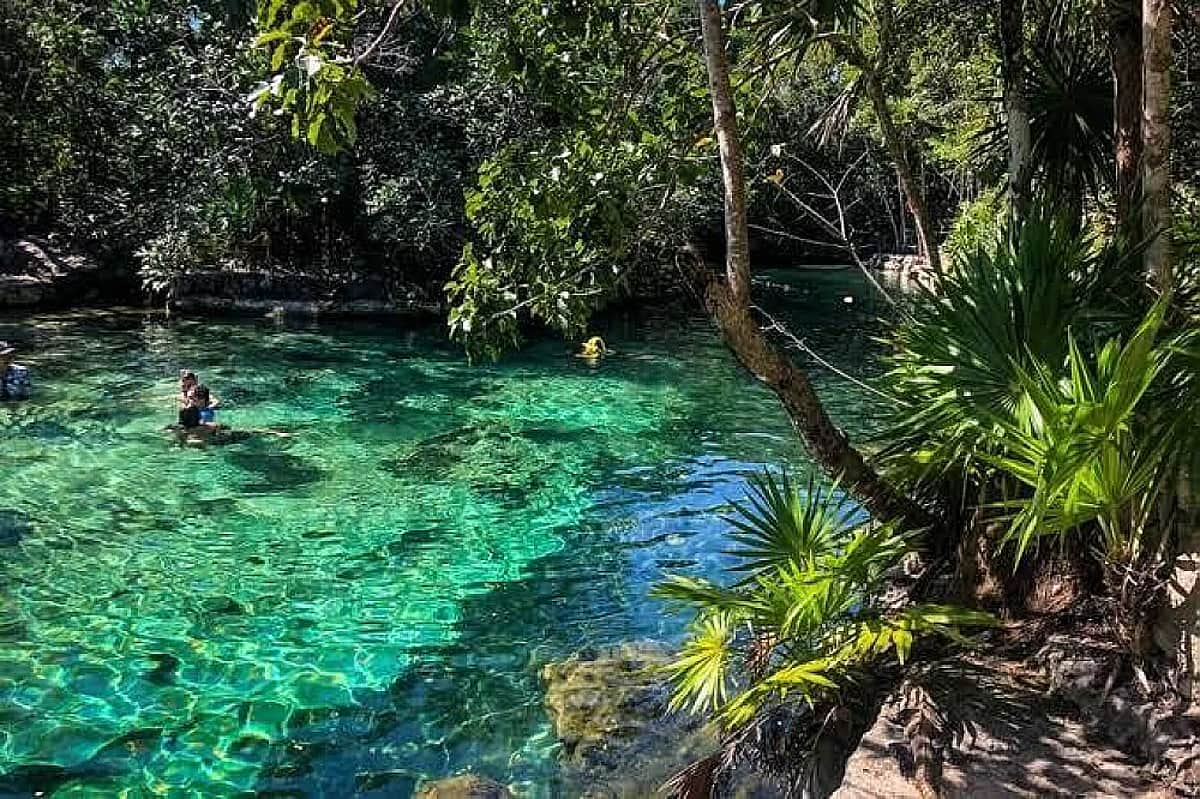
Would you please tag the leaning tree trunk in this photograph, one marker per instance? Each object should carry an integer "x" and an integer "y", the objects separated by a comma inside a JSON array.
[
  {"x": 1016, "y": 105},
  {"x": 1156, "y": 139},
  {"x": 729, "y": 301},
  {"x": 899, "y": 151},
  {"x": 1125, "y": 53}
]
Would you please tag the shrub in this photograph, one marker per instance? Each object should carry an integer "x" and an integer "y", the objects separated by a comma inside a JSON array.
[
  {"x": 977, "y": 226},
  {"x": 807, "y": 613}
]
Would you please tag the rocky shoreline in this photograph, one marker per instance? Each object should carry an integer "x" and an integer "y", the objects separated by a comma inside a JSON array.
[
  {"x": 262, "y": 292},
  {"x": 38, "y": 274},
  {"x": 35, "y": 274},
  {"x": 1031, "y": 723}
]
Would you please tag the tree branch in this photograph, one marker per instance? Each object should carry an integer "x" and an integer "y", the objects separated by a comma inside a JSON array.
[{"x": 383, "y": 34}]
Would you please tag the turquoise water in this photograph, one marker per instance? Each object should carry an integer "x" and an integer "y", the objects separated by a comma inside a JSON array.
[{"x": 366, "y": 602}]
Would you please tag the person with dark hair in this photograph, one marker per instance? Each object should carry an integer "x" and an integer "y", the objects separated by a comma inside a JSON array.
[
  {"x": 207, "y": 403},
  {"x": 14, "y": 378},
  {"x": 189, "y": 414}
]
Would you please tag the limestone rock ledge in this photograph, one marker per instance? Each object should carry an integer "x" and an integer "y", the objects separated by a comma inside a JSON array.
[
  {"x": 35, "y": 273},
  {"x": 1015, "y": 742},
  {"x": 298, "y": 294}
]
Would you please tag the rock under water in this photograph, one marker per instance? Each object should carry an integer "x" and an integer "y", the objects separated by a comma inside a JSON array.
[
  {"x": 610, "y": 709},
  {"x": 464, "y": 786},
  {"x": 14, "y": 526}
]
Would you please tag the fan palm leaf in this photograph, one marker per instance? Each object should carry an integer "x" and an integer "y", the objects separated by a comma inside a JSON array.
[{"x": 801, "y": 619}]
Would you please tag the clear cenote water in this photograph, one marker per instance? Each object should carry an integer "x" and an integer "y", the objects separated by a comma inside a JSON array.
[{"x": 366, "y": 603}]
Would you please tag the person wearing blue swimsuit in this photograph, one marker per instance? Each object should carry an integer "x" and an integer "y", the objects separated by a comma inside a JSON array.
[{"x": 207, "y": 404}]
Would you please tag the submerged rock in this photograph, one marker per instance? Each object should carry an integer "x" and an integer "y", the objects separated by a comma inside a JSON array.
[
  {"x": 598, "y": 699},
  {"x": 464, "y": 786},
  {"x": 14, "y": 526},
  {"x": 610, "y": 709}
]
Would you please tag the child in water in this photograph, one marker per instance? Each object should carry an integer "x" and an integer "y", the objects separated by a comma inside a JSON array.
[
  {"x": 206, "y": 403},
  {"x": 189, "y": 414},
  {"x": 197, "y": 404}
]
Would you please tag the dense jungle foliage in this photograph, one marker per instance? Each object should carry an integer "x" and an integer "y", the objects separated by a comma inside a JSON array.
[{"x": 127, "y": 132}]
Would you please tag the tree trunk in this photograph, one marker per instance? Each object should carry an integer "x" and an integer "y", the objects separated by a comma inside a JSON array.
[
  {"x": 1156, "y": 140},
  {"x": 902, "y": 160},
  {"x": 733, "y": 178},
  {"x": 1016, "y": 105},
  {"x": 1125, "y": 53},
  {"x": 729, "y": 301}
]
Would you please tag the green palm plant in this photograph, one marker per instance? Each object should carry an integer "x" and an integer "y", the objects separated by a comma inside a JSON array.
[
  {"x": 1101, "y": 448},
  {"x": 1084, "y": 449},
  {"x": 1068, "y": 86},
  {"x": 958, "y": 353},
  {"x": 806, "y": 615}
]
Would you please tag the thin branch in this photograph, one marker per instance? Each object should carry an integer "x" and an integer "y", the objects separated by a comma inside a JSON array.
[
  {"x": 802, "y": 345},
  {"x": 783, "y": 234},
  {"x": 383, "y": 34},
  {"x": 838, "y": 228}
]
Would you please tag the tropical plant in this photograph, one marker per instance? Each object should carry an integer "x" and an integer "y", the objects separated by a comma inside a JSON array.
[
  {"x": 807, "y": 613},
  {"x": 958, "y": 353},
  {"x": 1102, "y": 447},
  {"x": 1034, "y": 382},
  {"x": 1080, "y": 446},
  {"x": 318, "y": 79},
  {"x": 1067, "y": 84},
  {"x": 1186, "y": 239},
  {"x": 977, "y": 226}
]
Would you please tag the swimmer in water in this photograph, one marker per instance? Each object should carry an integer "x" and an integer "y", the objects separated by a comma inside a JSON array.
[
  {"x": 207, "y": 403},
  {"x": 593, "y": 349},
  {"x": 189, "y": 414},
  {"x": 14, "y": 378}
]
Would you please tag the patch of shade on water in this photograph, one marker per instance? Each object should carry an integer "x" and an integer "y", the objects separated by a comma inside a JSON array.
[{"x": 365, "y": 603}]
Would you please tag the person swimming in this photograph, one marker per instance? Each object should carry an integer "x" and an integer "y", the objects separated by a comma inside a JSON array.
[
  {"x": 198, "y": 416},
  {"x": 189, "y": 413},
  {"x": 206, "y": 403},
  {"x": 593, "y": 348},
  {"x": 14, "y": 378},
  {"x": 197, "y": 404}
]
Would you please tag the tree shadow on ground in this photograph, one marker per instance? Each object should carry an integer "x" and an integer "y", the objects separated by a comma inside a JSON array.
[{"x": 1015, "y": 742}]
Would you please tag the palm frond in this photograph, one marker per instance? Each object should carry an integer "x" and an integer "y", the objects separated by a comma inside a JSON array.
[
  {"x": 1086, "y": 457},
  {"x": 701, "y": 673},
  {"x": 778, "y": 525},
  {"x": 1068, "y": 86},
  {"x": 802, "y": 623},
  {"x": 958, "y": 354}
]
